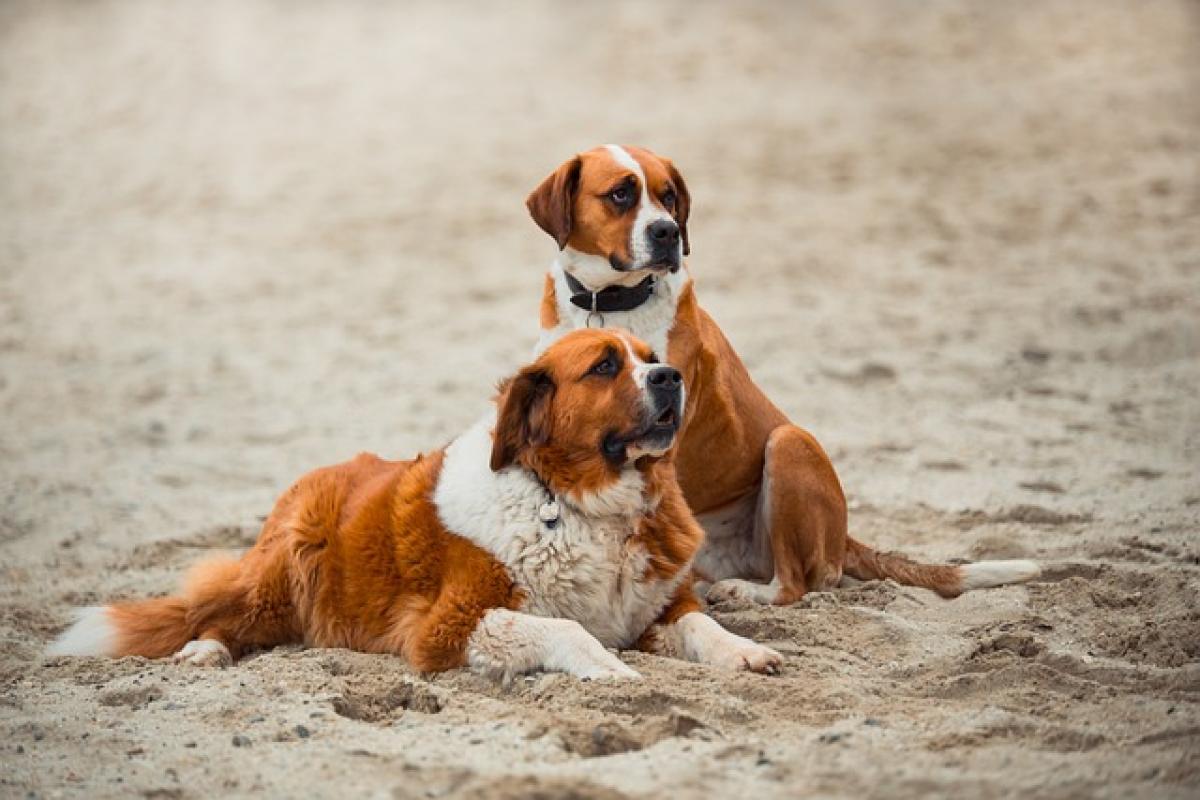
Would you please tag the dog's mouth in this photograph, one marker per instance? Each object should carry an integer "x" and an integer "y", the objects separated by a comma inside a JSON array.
[
  {"x": 663, "y": 260},
  {"x": 665, "y": 264},
  {"x": 658, "y": 424},
  {"x": 654, "y": 437},
  {"x": 658, "y": 432},
  {"x": 667, "y": 419}
]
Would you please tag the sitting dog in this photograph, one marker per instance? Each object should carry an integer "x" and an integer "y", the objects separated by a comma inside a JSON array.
[
  {"x": 762, "y": 488},
  {"x": 551, "y": 530}
]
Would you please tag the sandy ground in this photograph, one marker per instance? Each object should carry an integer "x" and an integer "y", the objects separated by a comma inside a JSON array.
[{"x": 958, "y": 241}]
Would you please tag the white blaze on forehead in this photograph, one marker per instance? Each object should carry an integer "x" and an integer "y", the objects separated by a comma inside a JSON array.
[
  {"x": 623, "y": 158},
  {"x": 627, "y": 340},
  {"x": 647, "y": 213},
  {"x": 639, "y": 368}
]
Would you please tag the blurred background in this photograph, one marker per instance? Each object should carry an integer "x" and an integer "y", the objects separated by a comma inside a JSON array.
[{"x": 959, "y": 241}]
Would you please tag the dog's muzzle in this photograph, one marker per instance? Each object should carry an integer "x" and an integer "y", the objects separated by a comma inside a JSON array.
[
  {"x": 664, "y": 395},
  {"x": 662, "y": 240}
]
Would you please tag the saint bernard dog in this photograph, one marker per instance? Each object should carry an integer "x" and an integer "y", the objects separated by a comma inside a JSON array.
[
  {"x": 763, "y": 489},
  {"x": 548, "y": 533}
]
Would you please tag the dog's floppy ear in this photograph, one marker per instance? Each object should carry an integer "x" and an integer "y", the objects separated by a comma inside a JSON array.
[
  {"x": 523, "y": 419},
  {"x": 550, "y": 203},
  {"x": 683, "y": 204}
]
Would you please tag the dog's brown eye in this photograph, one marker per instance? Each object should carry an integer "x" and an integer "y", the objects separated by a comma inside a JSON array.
[
  {"x": 668, "y": 200},
  {"x": 619, "y": 195},
  {"x": 605, "y": 367}
]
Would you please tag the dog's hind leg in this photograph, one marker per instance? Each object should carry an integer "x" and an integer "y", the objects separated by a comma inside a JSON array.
[
  {"x": 223, "y": 615},
  {"x": 802, "y": 512}
]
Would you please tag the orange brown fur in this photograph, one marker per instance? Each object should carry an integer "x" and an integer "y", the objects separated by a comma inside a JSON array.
[
  {"x": 733, "y": 435},
  {"x": 356, "y": 555},
  {"x": 549, "y": 311},
  {"x": 352, "y": 556},
  {"x": 575, "y": 215},
  {"x": 672, "y": 536},
  {"x": 560, "y": 440}
]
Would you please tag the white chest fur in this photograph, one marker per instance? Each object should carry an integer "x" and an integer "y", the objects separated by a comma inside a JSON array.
[{"x": 586, "y": 568}]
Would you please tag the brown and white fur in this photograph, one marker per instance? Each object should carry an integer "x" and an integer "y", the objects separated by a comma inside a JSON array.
[
  {"x": 447, "y": 560},
  {"x": 763, "y": 489}
]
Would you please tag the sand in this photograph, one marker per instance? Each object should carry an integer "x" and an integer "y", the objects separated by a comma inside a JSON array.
[{"x": 958, "y": 241}]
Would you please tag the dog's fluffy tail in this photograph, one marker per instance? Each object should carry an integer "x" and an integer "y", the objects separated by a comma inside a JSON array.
[
  {"x": 153, "y": 628},
  {"x": 866, "y": 564}
]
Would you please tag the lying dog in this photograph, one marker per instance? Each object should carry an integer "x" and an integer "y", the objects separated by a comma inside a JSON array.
[
  {"x": 762, "y": 488},
  {"x": 552, "y": 529}
]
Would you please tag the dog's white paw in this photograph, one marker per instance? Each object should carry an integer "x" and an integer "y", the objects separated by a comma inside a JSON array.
[
  {"x": 751, "y": 657},
  {"x": 616, "y": 672},
  {"x": 204, "y": 653},
  {"x": 605, "y": 666},
  {"x": 738, "y": 589}
]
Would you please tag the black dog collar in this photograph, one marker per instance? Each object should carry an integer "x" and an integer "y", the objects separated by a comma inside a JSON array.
[{"x": 610, "y": 298}]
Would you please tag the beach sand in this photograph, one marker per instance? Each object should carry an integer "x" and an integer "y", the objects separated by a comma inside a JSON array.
[{"x": 958, "y": 241}]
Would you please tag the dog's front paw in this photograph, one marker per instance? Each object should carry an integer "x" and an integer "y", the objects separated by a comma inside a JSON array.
[
  {"x": 762, "y": 659},
  {"x": 204, "y": 653},
  {"x": 751, "y": 657},
  {"x": 605, "y": 666},
  {"x": 609, "y": 673},
  {"x": 739, "y": 590},
  {"x": 616, "y": 670}
]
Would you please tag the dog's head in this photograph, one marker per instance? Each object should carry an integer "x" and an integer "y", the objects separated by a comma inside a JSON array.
[
  {"x": 595, "y": 402},
  {"x": 616, "y": 210}
]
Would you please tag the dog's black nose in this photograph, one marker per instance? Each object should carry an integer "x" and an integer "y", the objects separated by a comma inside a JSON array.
[
  {"x": 663, "y": 232},
  {"x": 664, "y": 377}
]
